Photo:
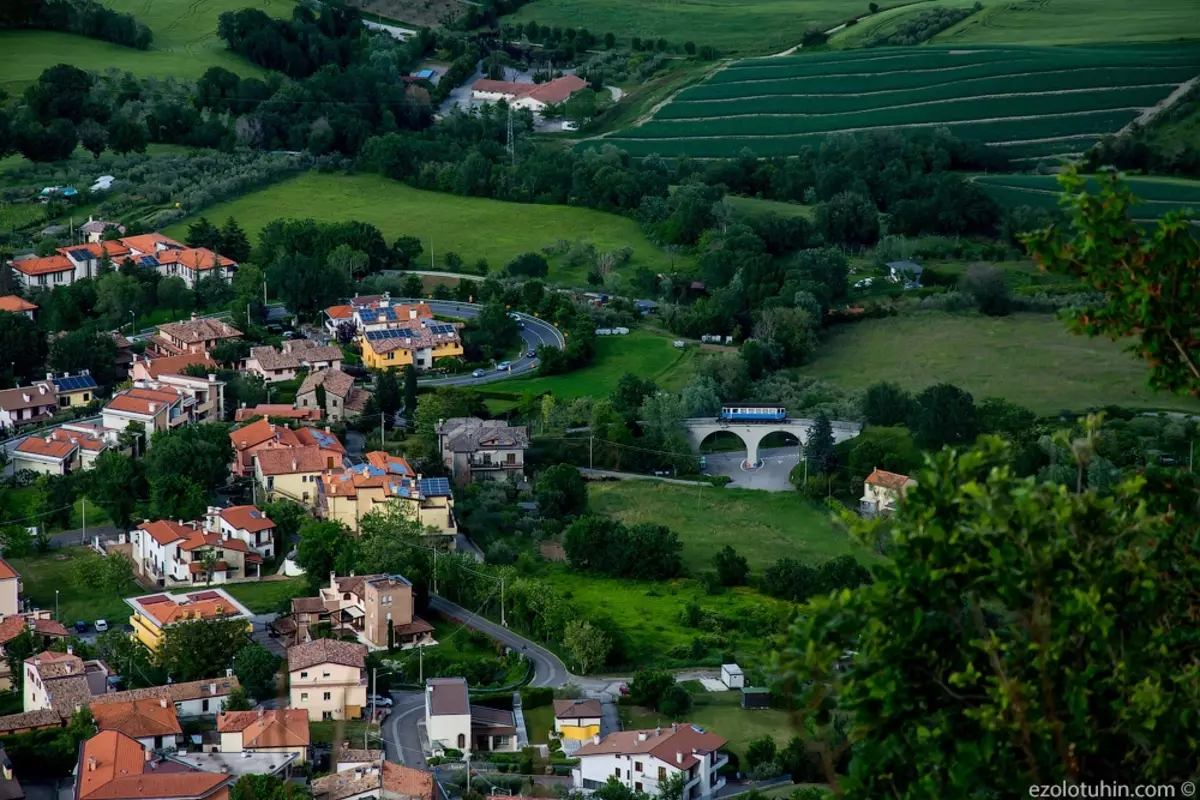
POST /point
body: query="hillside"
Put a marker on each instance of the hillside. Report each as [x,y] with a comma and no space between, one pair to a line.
[1157,195]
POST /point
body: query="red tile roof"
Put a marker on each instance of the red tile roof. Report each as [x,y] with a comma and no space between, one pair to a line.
[166,610]
[683,739]
[164,531]
[96,249]
[138,718]
[146,242]
[339,312]
[49,447]
[326,651]
[277,410]
[43,266]
[112,766]
[6,571]
[174,365]
[554,91]
[247,518]
[888,480]
[198,258]
[294,460]
[15,305]
[262,728]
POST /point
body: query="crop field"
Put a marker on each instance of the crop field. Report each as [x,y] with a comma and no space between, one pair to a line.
[1157,195]
[1040,102]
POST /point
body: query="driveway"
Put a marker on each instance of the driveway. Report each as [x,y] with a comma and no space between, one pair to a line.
[259,634]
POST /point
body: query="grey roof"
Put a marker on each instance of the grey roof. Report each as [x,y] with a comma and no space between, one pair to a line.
[905,266]
[471,434]
[448,696]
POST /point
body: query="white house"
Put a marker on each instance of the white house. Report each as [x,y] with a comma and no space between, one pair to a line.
[534,96]
[172,554]
[451,722]
[643,760]
[190,700]
[43,273]
[153,722]
[881,490]
[87,258]
[244,523]
[155,409]
[300,354]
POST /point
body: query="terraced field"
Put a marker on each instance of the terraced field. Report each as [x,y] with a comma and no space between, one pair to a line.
[1038,102]
[1158,195]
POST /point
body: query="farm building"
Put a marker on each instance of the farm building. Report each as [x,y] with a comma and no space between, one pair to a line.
[534,96]
[755,697]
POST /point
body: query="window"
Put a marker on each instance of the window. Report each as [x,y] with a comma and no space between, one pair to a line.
[204,705]
[510,458]
[462,741]
[87,397]
[303,697]
[328,696]
[386,600]
[616,772]
[303,674]
[637,766]
[637,787]
[324,674]
[326,715]
[662,773]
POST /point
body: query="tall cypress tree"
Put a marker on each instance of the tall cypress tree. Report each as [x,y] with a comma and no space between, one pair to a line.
[822,458]
[410,391]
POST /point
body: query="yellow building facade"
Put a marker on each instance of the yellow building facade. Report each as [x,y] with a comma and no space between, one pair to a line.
[154,613]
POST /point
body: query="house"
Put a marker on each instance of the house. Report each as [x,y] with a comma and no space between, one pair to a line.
[26,721]
[377,609]
[264,435]
[278,731]
[10,591]
[113,766]
[94,228]
[343,400]
[149,245]
[74,390]
[150,369]
[43,273]
[577,719]
[298,354]
[478,449]
[125,354]
[153,613]
[245,524]
[197,336]
[420,345]
[203,399]
[335,316]
[534,96]
[45,455]
[345,758]
[376,779]
[644,759]
[152,722]
[193,264]
[87,259]
[293,472]
[191,700]
[62,682]
[155,409]
[28,405]
[383,315]
[174,554]
[278,410]
[17,305]
[452,723]
[10,787]
[645,307]
[347,495]
[44,630]
[881,490]
[905,272]
[328,678]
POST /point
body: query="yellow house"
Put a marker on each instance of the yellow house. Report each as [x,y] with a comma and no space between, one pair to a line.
[420,345]
[154,613]
[328,678]
[293,472]
[75,390]
[577,719]
[348,495]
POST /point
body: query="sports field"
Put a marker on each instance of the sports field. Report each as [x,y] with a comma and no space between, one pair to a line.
[1030,359]
[1042,101]
[470,226]
[1157,195]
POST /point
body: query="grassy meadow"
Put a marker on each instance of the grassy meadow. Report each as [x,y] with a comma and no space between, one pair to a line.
[720,712]
[1157,195]
[470,226]
[41,575]
[1031,359]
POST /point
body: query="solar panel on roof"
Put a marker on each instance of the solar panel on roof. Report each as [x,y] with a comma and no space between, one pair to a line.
[434,486]
[75,383]
[441,329]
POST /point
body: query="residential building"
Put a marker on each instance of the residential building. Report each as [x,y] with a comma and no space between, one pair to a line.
[577,719]
[905,272]
[153,613]
[534,96]
[277,410]
[347,495]
[191,700]
[39,623]
[62,682]
[88,258]
[263,435]
[94,228]
[201,399]
[150,369]
[336,315]
[74,390]
[197,336]
[479,449]
[378,609]
[113,766]
[10,591]
[193,264]
[155,409]
[343,400]
[298,354]
[276,731]
[328,678]
[246,524]
[43,273]
[881,491]
[149,244]
[26,721]
[293,472]
[452,723]
[376,779]
[152,722]
[125,354]
[10,787]
[28,405]
[345,758]
[17,305]
[419,344]
[45,455]
[643,760]
[383,315]
[177,554]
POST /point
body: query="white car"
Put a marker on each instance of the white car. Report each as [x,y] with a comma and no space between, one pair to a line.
[380,701]
[503,365]
[101,625]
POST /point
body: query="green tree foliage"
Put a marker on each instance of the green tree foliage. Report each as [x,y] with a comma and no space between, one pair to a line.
[795,581]
[174,294]
[818,449]
[630,393]
[944,415]
[491,334]
[731,567]
[267,787]
[675,701]
[130,659]
[235,243]
[255,667]
[406,251]
[86,349]
[202,453]
[16,650]
[304,284]
[352,263]
[237,700]
[588,645]
[22,350]
[288,516]
[1013,422]
[323,548]
[176,497]
[560,492]
[641,552]
[54,500]
[201,648]
[110,575]
[760,751]
[203,233]
[886,403]
[849,220]
[410,392]
[986,284]
[528,265]
[387,392]
[387,536]
[50,753]
[648,686]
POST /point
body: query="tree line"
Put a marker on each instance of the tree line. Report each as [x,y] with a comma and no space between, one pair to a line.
[81,17]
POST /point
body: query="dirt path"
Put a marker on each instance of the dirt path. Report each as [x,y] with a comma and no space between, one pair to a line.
[1162,105]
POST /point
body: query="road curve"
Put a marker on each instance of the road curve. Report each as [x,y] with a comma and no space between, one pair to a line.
[549,670]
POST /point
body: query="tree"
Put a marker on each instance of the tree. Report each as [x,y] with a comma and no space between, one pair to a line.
[732,569]
[174,496]
[16,650]
[86,349]
[528,265]
[944,415]
[405,251]
[201,453]
[581,106]
[410,392]
[174,294]
[387,393]
[648,687]
[631,393]
[255,668]
[235,243]
[237,700]
[760,751]
[54,500]
[267,787]
[560,492]
[114,483]
[201,648]
[675,702]
[818,449]
[203,233]
[886,404]
[849,219]
[321,544]
[388,534]
[588,645]
[873,8]
[208,561]
[986,284]
[126,136]
[92,137]
[347,261]
[116,296]
[304,284]
[130,659]
[701,397]
[22,349]
[111,574]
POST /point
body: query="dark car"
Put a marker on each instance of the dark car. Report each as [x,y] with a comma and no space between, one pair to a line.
[80,626]
[531,354]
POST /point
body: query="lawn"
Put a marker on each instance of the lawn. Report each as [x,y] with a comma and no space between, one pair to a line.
[25,499]
[41,575]
[751,206]
[327,732]
[1030,359]
[265,597]
[762,526]
[538,723]
[470,226]
[721,713]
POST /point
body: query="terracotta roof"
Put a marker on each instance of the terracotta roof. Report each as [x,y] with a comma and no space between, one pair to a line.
[255,433]
[247,518]
[164,531]
[888,480]
[339,312]
[138,718]
[43,266]
[48,447]
[379,776]
[418,625]
[326,651]
[554,91]
[207,604]
[335,381]
[269,358]
[359,756]
[406,781]
[15,305]
[50,664]
[6,571]
[307,605]
[199,330]
[112,766]
[293,460]
[319,437]
[42,718]
[571,709]
[197,568]
[146,243]
[448,696]
[175,692]
[684,738]
[100,226]
[276,410]
[196,258]
[275,728]
[174,365]
[139,401]
[87,441]
[197,539]
[415,338]
[94,250]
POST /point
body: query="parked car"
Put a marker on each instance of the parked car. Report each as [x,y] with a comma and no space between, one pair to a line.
[101,625]
[477,373]
[80,626]
[503,365]
[380,700]
[531,354]
[624,689]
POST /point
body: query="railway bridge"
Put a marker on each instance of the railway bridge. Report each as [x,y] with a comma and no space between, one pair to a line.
[752,433]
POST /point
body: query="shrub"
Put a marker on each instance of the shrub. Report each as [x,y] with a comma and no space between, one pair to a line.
[536,696]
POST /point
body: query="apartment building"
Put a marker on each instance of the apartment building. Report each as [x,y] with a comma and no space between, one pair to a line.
[347,495]
[328,678]
[377,609]
[154,613]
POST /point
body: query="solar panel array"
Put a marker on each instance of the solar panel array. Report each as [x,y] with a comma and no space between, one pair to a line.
[75,383]
[440,328]
[148,261]
[401,333]
[434,487]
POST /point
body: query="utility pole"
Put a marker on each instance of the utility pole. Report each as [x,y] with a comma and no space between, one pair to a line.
[1191,450]
[374,689]
[421,668]
[381,430]
[435,555]
[591,441]
[503,622]
[264,294]
[431,261]
[83,533]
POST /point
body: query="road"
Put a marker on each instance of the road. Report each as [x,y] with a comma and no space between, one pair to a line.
[772,476]
[549,670]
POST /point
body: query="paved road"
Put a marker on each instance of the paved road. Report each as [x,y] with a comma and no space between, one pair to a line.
[401,736]
[772,476]
[549,670]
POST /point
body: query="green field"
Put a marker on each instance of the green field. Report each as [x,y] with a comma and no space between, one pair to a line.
[1030,359]
[750,206]
[470,226]
[762,526]
[1044,101]
[721,713]
[41,575]
[1157,195]
[266,597]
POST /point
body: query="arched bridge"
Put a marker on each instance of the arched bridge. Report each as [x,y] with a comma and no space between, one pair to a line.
[752,433]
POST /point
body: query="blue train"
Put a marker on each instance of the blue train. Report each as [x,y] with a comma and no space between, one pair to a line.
[752,413]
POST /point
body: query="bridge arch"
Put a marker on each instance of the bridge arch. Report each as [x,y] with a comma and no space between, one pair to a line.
[753,434]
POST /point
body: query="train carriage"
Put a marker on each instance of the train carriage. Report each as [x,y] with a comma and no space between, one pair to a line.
[746,412]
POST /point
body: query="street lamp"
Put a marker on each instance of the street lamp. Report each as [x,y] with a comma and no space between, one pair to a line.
[132,322]
[56,605]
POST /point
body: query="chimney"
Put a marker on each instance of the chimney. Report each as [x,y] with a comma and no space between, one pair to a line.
[91,763]
[70,650]
[153,407]
[260,712]
[294,465]
[212,688]
[678,757]
[162,702]
[148,755]
[32,623]
[658,731]
[41,388]
[641,736]
[153,761]
[194,317]
[49,376]
[228,673]
[596,739]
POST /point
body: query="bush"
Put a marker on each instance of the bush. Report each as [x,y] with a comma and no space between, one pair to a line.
[536,696]
[675,702]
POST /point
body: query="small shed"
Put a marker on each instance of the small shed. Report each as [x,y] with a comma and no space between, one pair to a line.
[756,697]
[425,74]
[732,676]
